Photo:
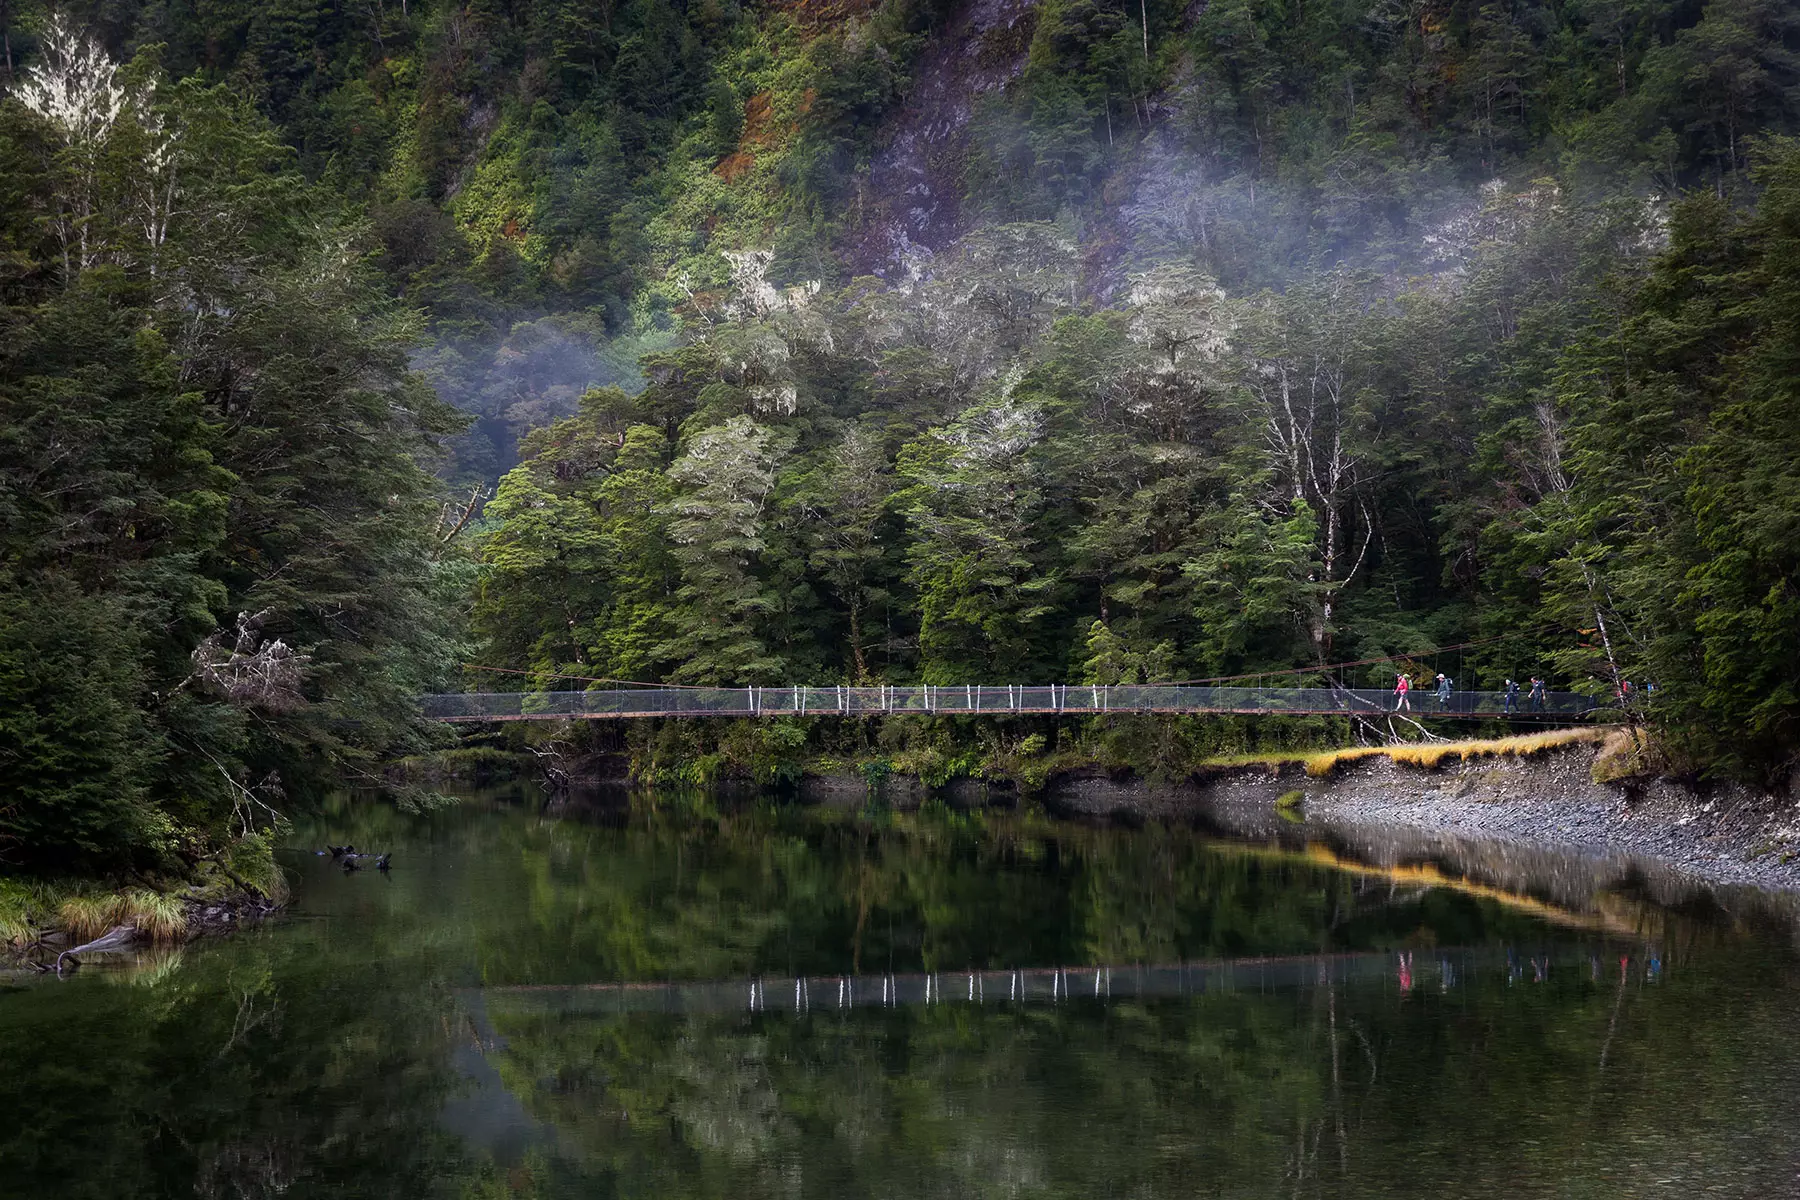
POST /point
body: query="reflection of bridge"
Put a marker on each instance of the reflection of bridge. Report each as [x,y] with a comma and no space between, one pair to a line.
[1437,970]
[985,701]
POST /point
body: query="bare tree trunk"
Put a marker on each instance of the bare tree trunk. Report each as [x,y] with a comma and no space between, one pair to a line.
[856,643]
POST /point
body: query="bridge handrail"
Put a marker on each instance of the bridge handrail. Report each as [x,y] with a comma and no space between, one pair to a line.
[989,699]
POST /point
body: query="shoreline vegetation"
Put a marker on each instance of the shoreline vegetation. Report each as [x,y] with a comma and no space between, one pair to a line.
[42,918]
[1025,754]
[47,917]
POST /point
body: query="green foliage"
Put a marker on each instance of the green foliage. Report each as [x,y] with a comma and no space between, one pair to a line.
[216,573]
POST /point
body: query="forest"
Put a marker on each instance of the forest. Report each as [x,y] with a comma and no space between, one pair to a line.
[828,341]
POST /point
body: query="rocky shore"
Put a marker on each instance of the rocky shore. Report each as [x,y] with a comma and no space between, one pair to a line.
[1723,835]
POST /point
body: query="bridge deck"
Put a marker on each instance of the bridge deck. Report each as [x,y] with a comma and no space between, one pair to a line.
[996,701]
[1439,969]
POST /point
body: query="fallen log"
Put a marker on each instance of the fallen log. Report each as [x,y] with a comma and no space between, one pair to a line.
[118,938]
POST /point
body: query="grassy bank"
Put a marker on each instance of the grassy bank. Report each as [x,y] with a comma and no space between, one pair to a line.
[1431,755]
[58,913]
[1024,752]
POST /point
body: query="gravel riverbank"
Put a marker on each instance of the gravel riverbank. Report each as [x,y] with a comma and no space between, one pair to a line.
[1726,835]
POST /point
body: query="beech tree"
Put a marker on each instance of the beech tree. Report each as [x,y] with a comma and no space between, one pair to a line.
[724,476]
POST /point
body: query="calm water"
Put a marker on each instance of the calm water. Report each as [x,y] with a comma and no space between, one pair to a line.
[684,1000]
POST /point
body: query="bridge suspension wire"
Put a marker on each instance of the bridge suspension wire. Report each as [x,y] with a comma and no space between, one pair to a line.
[997,701]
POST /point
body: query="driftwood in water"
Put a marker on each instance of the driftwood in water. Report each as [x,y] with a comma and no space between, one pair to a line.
[119,938]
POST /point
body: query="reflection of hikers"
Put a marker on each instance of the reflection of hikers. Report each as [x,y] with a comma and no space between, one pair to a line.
[1537,694]
[1405,972]
[1511,703]
[1444,686]
[1402,685]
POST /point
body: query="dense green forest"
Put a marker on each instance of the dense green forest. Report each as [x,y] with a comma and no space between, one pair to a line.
[839,340]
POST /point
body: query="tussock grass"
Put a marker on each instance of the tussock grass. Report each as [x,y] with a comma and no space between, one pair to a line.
[1628,754]
[1431,755]
[151,968]
[156,916]
[85,918]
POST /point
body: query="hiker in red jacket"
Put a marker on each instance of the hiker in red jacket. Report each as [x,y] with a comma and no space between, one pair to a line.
[1402,685]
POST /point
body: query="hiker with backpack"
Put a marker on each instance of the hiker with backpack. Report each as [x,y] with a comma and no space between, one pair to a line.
[1443,690]
[1510,705]
[1402,685]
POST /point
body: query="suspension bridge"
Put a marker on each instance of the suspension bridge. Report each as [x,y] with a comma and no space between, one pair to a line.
[997,701]
[1438,969]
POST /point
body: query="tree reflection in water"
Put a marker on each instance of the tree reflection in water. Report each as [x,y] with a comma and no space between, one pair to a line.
[405,1035]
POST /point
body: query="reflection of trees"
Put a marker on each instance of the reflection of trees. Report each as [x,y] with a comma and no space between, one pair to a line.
[763,890]
[315,1058]
[1492,1091]
[269,1069]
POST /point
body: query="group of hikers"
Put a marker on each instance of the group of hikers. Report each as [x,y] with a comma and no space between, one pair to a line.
[1624,693]
[1446,685]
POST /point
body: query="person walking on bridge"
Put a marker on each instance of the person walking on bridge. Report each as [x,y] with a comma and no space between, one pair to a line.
[1510,704]
[1402,685]
[1537,694]
[1443,690]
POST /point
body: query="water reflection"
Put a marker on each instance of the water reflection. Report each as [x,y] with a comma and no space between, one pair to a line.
[695,998]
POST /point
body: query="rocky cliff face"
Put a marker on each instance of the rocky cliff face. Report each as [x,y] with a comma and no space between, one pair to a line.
[915,184]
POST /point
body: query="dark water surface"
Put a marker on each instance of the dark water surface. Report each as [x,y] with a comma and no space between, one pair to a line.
[680,999]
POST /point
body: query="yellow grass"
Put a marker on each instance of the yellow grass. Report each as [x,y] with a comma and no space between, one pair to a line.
[1431,755]
[158,917]
[1430,875]
[1627,754]
[85,918]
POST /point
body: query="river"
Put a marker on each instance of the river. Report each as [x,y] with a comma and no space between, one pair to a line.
[684,996]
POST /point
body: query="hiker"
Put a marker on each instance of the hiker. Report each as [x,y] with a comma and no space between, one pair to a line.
[1402,685]
[1511,703]
[1443,690]
[1537,694]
